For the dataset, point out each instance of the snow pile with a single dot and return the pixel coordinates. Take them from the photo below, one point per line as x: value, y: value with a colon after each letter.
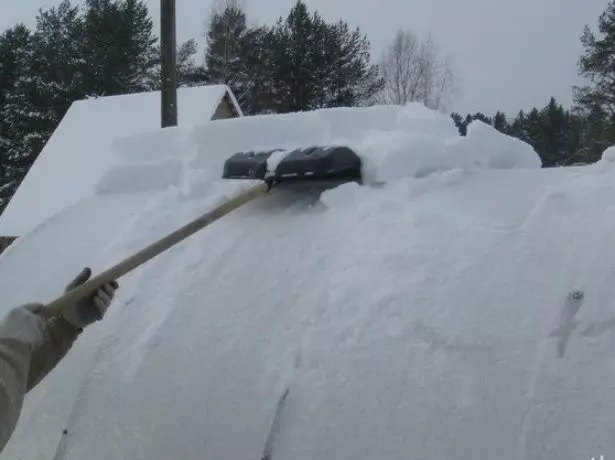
x: 393, y: 142
x: 484, y: 147
x: 609, y: 155
x: 426, y: 317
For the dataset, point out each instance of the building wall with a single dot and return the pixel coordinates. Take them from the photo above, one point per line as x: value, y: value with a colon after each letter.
x: 5, y: 242
x: 225, y: 109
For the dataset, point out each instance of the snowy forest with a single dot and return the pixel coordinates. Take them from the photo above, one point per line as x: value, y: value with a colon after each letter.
x: 301, y: 62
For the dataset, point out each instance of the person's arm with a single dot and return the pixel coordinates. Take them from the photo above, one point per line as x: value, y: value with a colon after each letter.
x: 58, y: 337
x: 19, y: 332
x: 31, y: 347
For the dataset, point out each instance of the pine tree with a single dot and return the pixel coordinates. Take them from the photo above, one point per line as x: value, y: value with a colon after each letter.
x: 49, y: 82
x: 553, y: 134
x: 482, y: 117
x: 346, y: 70
x: 597, y: 64
x: 574, y: 142
x: 225, y: 50
x: 459, y: 123
x: 535, y: 133
x: 119, y: 49
x: 500, y: 123
x: 15, y: 48
x: 256, y: 54
x: 595, y: 133
x: 240, y: 57
x: 14, y: 45
x: 294, y: 44
x: 519, y: 128
x: 316, y: 65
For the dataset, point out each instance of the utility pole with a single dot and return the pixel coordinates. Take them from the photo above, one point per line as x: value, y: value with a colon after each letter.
x: 168, y: 71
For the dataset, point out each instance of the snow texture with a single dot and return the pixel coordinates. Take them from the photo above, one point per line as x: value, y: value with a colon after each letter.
x: 80, y: 151
x: 609, y: 155
x: 429, y: 314
x: 275, y: 159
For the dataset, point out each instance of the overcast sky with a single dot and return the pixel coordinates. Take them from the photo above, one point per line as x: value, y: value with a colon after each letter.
x: 508, y: 55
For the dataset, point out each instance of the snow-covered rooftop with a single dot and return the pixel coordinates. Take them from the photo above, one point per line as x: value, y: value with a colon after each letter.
x: 80, y: 151
x: 424, y: 315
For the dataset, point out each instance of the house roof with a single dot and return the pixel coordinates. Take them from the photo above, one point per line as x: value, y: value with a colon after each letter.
x: 80, y: 151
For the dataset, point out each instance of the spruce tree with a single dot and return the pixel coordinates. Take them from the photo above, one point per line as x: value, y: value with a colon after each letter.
x: 240, y: 57
x: 535, y: 133
x: 500, y: 123
x: 294, y: 45
x: 119, y: 47
x: 347, y: 73
x: 15, y: 47
x: 459, y: 123
x: 597, y: 64
x: 316, y: 65
x: 256, y: 54
x: 518, y: 127
x: 574, y: 139
x: 49, y: 81
x: 553, y: 134
x: 224, y: 56
x: 480, y: 117
x: 595, y: 137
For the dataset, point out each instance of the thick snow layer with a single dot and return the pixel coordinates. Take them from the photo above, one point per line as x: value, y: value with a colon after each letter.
x: 485, y: 147
x: 609, y: 155
x: 80, y: 151
x: 425, y: 315
x: 393, y: 142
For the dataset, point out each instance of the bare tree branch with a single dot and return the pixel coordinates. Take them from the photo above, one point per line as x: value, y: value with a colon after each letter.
x: 414, y: 72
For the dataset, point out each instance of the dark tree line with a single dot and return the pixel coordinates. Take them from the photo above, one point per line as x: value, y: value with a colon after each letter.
x: 300, y: 63
x: 560, y: 137
x: 109, y: 47
x: 579, y: 135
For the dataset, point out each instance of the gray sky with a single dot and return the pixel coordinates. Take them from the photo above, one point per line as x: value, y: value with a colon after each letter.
x: 508, y: 55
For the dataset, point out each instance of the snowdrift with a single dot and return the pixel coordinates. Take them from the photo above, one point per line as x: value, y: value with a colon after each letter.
x: 425, y: 315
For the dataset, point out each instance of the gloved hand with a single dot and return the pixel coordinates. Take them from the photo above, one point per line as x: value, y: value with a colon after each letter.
x: 94, y: 307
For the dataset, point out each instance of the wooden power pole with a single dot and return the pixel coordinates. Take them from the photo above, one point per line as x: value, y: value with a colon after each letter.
x: 168, y: 71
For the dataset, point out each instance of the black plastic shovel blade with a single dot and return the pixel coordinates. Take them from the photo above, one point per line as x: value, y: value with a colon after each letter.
x: 305, y: 164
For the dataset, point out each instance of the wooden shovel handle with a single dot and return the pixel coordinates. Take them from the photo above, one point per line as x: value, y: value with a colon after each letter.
x: 86, y: 289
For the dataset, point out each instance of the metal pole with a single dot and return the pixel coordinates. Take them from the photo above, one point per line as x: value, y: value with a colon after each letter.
x: 168, y: 71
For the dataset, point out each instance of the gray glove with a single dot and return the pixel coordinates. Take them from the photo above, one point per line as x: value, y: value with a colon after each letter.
x: 93, y: 308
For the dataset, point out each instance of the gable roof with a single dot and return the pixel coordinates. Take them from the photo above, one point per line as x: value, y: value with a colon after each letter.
x: 79, y: 152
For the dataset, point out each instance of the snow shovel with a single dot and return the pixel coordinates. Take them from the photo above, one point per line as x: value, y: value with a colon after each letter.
x: 315, y: 166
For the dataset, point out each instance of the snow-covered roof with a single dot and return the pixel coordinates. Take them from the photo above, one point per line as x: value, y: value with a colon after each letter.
x: 80, y: 150
x: 425, y: 314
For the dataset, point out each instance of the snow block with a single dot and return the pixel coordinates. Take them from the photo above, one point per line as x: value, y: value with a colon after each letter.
x: 415, y: 118
x: 218, y: 140
x: 341, y: 196
x: 140, y: 178
x: 350, y: 123
x: 609, y: 155
x: 485, y: 147
x: 153, y: 146
x: 393, y: 155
